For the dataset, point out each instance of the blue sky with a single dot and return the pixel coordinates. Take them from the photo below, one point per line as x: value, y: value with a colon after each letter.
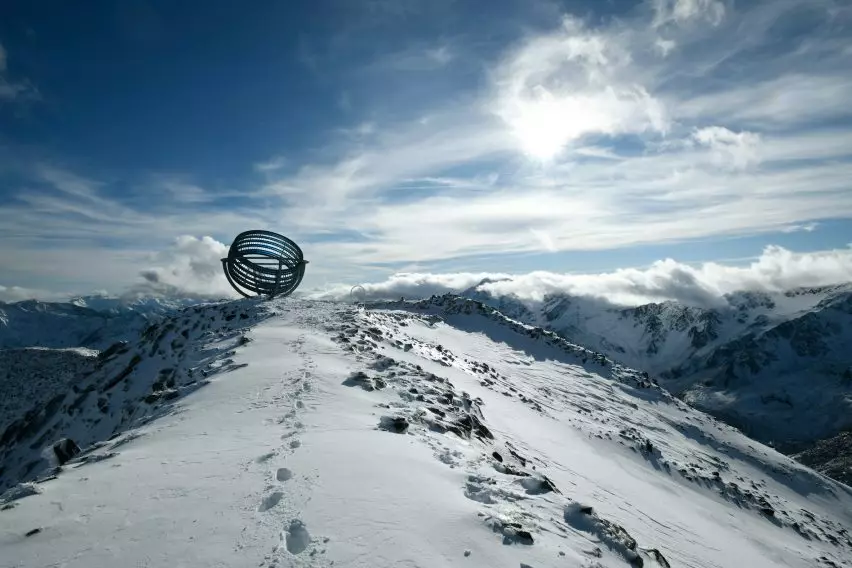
x: 433, y: 137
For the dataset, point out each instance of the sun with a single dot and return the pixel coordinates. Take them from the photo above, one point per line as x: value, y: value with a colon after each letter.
x: 546, y: 124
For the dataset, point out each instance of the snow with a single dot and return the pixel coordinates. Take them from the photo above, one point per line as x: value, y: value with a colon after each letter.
x: 775, y: 364
x: 86, y: 321
x: 401, y: 436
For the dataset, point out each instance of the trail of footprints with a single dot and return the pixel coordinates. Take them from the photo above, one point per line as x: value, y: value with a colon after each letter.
x: 517, y: 500
x: 296, y: 545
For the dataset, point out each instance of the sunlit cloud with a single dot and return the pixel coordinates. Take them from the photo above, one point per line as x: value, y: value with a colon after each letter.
x: 776, y: 269
x: 190, y: 267
x: 558, y: 87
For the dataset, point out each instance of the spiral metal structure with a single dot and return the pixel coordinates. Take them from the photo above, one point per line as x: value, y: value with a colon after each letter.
x: 264, y: 263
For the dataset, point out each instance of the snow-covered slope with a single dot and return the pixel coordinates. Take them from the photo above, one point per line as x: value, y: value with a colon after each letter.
x: 776, y: 365
x: 117, y: 388
x: 432, y: 434
x: 88, y: 321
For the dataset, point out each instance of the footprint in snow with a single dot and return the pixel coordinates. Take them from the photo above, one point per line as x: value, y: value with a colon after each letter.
x: 296, y: 538
x: 265, y: 457
x: 283, y: 474
x: 295, y: 444
x: 270, y: 501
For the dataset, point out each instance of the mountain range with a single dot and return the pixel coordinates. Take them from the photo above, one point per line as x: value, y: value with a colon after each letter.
x: 432, y: 433
x: 775, y: 365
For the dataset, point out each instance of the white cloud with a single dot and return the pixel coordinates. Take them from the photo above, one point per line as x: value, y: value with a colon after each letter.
x: 559, y: 87
x: 191, y: 267
x: 792, y: 99
x: 807, y: 228
x: 684, y: 11
x: 11, y: 294
x: 441, y: 55
x: 735, y: 149
x: 271, y: 165
x: 665, y: 46
x: 407, y: 285
x: 777, y: 269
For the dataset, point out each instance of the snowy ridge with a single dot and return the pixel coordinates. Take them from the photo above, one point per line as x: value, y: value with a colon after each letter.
x: 775, y: 365
x: 438, y: 433
x: 91, y: 397
x: 87, y: 321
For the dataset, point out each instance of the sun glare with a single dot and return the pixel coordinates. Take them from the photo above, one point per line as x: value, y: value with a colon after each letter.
x: 546, y: 125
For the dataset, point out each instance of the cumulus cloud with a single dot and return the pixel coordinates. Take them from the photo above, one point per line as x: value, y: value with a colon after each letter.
x: 192, y: 267
x: 777, y: 269
x: 11, y: 294
x: 411, y: 285
x: 728, y: 148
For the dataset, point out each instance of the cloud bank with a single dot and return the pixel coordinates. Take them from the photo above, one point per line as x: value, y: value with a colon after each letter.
x: 776, y: 269
x: 10, y: 294
x: 191, y: 268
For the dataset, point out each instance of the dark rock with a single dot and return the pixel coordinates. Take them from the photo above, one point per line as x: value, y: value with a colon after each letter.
x: 65, y: 449
x: 171, y: 394
x: 497, y: 456
x: 32, y: 532
x: 397, y: 424
x: 114, y: 349
x: 436, y: 410
x: 658, y: 557
x: 359, y: 379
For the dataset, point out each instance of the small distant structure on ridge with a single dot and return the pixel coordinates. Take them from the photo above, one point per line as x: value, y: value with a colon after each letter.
x: 264, y: 263
x: 358, y: 294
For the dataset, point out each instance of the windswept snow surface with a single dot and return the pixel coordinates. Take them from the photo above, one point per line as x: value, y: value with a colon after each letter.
x: 776, y: 365
x: 425, y: 435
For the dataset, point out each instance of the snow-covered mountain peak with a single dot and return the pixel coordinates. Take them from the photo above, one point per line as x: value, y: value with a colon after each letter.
x: 148, y: 305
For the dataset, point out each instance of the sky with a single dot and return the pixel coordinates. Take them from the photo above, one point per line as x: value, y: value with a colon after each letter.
x: 402, y: 140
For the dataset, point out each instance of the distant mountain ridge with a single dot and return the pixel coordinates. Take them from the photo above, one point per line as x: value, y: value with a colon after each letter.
x: 88, y: 321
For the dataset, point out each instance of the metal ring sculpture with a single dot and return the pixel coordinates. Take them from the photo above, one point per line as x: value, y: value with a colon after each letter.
x: 357, y: 294
x: 264, y: 263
